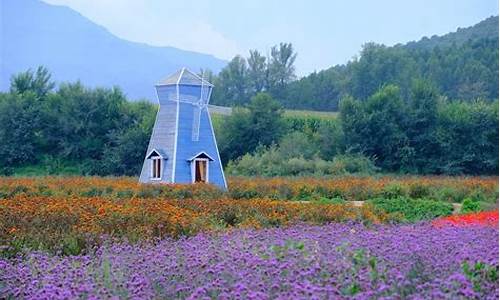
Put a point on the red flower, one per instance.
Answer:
(485, 218)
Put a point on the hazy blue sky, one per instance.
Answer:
(324, 33)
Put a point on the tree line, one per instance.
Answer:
(420, 133)
(96, 131)
(462, 65)
(74, 128)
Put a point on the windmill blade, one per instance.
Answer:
(195, 135)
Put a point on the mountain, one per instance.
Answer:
(486, 29)
(461, 65)
(34, 33)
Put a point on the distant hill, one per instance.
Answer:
(486, 29)
(73, 48)
(462, 65)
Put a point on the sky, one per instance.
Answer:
(324, 33)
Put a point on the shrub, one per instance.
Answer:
(413, 210)
(354, 164)
(449, 194)
(469, 205)
(418, 191)
(394, 190)
(275, 161)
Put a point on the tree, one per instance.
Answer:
(421, 128)
(377, 127)
(266, 119)
(39, 82)
(124, 154)
(88, 117)
(281, 69)
(468, 137)
(232, 84)
(261, 123)
(19, 129)
(257, 72)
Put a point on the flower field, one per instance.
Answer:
(71, 214)
(341, 260)
(94, 238)
(451, 189)
(74, 223)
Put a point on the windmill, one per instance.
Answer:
(199, 106)
(182, 148)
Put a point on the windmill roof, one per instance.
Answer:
(159, 152)
(201, 154)
(184, 76)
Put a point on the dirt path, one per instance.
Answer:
(456, 206)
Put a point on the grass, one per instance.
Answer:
(44, 169)
(311, 113)
(220, 111)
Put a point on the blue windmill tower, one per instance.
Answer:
(183, 148)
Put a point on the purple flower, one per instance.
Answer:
(311, 262)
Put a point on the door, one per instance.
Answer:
(200, 170)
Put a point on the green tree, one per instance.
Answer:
(468, 137)
(261, 123)
(125, 153)
(421, 129)
(257, 72)
(88, 118)
(232, 84)
(281, 69)
(38, 82)
(20, 121)
(377, 127)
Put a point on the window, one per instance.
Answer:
(201, 170)
(155, 165)
(156, 168)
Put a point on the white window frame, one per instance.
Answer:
(193, 169)
(159, 159)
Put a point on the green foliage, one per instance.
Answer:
(74, 130)
(260, 124)
(20, 129)
(394, 191)
(77, 130)
(297, 144)
(413, 210)
(243, 78)
(278, 161)
(38, 83)
(232, 85)
(354, 164)
(468, 137)
(423, 135)
(462, 65)
(479, 274)
(376, 127)
(469, 205)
